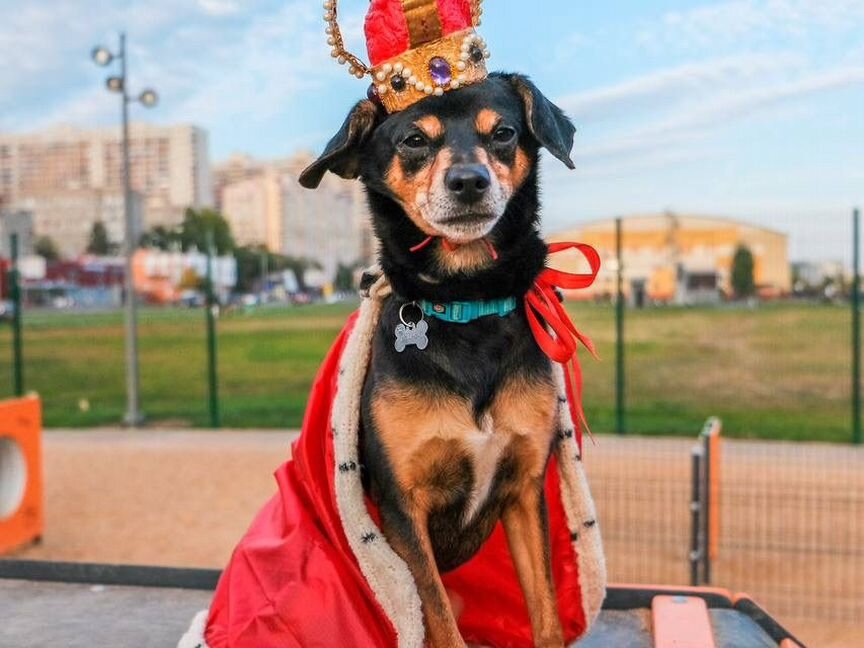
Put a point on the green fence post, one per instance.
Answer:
(620, 381)
(17, 341)
(856, 327)
(212, 369)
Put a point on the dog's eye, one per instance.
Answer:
(415, 141)
(504, 135)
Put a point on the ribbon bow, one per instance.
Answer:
(553, 329)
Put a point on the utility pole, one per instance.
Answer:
(856, 327)
(134, 417)
(620, 381)
(17, 342)
(212, 368)
(148, 98)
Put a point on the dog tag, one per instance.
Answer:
(412, 335)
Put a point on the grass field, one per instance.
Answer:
(777, 371)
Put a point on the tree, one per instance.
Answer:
(743, 281)
(344, 281)
(197, 224)
(160, 238)
(253, 259)
(99, 243)
(46, 248)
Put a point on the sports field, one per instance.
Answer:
(776, 371)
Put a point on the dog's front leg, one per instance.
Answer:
(406, 529)
(525, 523)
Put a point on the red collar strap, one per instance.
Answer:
(552, 327)
(452, 247)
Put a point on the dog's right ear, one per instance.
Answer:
(342, 155)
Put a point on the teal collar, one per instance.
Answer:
(465, 312)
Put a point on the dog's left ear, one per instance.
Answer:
(549, 125)
(342, 154)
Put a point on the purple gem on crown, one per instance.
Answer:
(441, 72)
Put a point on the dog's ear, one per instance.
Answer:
(342, 154)
(549, 125)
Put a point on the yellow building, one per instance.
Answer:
(671, 258)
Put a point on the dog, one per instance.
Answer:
(459, 422)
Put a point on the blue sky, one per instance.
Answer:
(745, 108)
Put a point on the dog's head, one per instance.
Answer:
(452, 163)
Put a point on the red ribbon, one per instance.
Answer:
(553, 329)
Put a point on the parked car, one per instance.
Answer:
(7, 310)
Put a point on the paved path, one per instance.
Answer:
(184, 498)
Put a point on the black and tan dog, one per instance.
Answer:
(458, 436)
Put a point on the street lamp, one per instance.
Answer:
(148, 98)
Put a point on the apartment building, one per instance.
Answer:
(41, 171)
(330, 225)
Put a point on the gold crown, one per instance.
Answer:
(418, 48)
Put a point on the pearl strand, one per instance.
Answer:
(356, 68)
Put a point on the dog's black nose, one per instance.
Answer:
(468, 182)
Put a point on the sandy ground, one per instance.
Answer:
(793, 516)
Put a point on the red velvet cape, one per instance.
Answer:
(293, 581)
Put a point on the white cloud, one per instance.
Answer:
(219, 7)
(680, 109)
(677, 83)
(730, 23)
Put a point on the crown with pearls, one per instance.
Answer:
(417, 48)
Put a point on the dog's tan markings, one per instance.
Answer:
(521, 168)
(525, 408)
(431, 127)
(529, 548)
(465, 258)
(442, 630)
(510, 177)
(420, 432)
(413, 192)
(486, 121)
(408, 190)
(411, 422)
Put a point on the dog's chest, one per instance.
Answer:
(465, 420)
(446, 455)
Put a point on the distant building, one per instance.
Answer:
(67, 217)
(163, 277)
(253, 207)
(815, 274)
(329, 226)
(18, 222)
(86, 282)
(41, 170)
(235, 169)
(670, 258)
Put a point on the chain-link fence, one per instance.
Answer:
(791, 523)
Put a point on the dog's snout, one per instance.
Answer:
(468, 182)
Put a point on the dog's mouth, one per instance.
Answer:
(468, 220)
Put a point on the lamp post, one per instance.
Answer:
(148, 98)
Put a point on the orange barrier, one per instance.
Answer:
(681, 622)
(713, 433)
(21, 489)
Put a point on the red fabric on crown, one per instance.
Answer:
(387, 33)
(386, 30)
(455, 15)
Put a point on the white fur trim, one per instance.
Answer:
(579, 507)
(194, 637)
(387, 574)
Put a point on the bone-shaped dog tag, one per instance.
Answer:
(412, 335)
